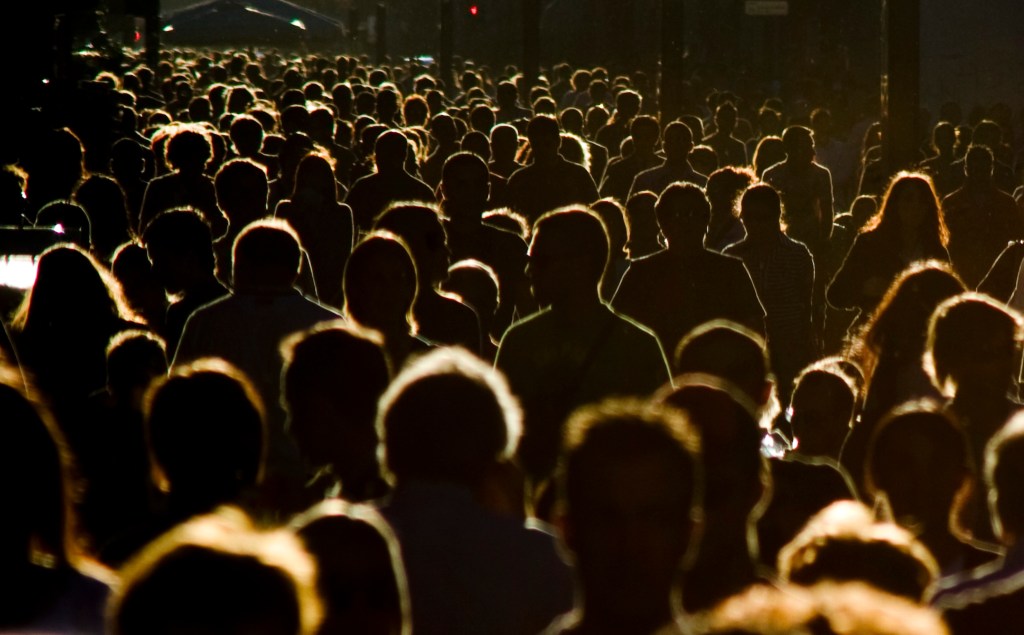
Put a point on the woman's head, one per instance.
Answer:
(910, 205)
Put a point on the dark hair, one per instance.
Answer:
(886, 222)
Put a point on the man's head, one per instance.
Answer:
(543, 134)
(267, 254)
(978, 164)
(631, 483)
(761, 211)
(725, 118)
(447, 417)
(465, 183)
(180, 248)
(390, 151)
(419, 225)
(568, 256)
(217, 574)
(678, 141)
(242, 190)
(799, 144)
(683, 214)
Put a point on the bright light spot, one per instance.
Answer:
(297, 22)
(168, 28)
(46, 81)
(17, 272)
(473, 10)
(136, 37)
(58, 229)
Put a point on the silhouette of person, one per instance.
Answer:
(987, 598)
(477, 285)
(677, 144)
(391, 182)
(942, 166)
(217, 573)
(631, 503)
(627, 106)
(504, 149)
(447, 536)
(618, 179)
(550, 181)
(446, 143)
(908, 227)
(180, 248)
(981, 219)
(187, 152)
(806, 190)
(782, 271)
(464, 189)
(685, 284)
(573, 351)
(729, 149)
(360, 575)
(918, 465)
(572, 122)
(333, 376)
(441, 318)
(324, 225)
(724, 187)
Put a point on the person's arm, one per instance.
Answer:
(827, 205)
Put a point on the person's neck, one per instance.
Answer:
(580, 304)
(464, 217)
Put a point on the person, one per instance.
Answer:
(441, 318)
(908, 227)
(685, 284)
(446, 143)
(179, 245)
(49, 585)
(243, 194)
(890, 349)
(805, 188)
(504, 148)
(61, 328)
(447, 537)
(333, 375)
(678, 141)
(509, 111)
(391, 182)
(325, 226)
(981, 219)
(246, 327)
(941, 165)
(724, 188)
(844, 543)
(621, 172)
(574, 350)
(218, 574)
(987, 598)
(628, 104)
(918, 466)
(737, 489)
(782, 271)
(188, 152)
(973, 343)
(477, 285)
(631, 497)
(729, 149)
(360, 575)
(464, 188)
(572, 122)
(550, 181)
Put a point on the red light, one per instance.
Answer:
(136, 36)
(473, 10)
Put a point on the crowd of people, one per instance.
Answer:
(321, 346)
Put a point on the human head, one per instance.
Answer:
(465, 184)
(645, 132)
(360, 576)
(627, 105)
(844, 543)
(1004, 460)
(543, 134)
(448, 417)
(217, 574)
(266, 254)
(761, 211)
(380, 283)
(972, 342)
(180, 247)
(206, 433)
(134, 359)
(821, 409)
(918, 461)
(477, 284)
(390, 151)
(978, 163)
(333, 376)
(504, 142)
(568, 255)
(730, 351)
(419, 225)
(910, 202)
(678, 141)
(242, 190)
(725, 185)
(631, 484)
(725, 118)
(683, 213)
(799, 144)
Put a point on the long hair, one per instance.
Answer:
(933, 232)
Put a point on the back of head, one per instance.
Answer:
(177, 234)
(1004, 477)
(799, 143)
(543, 134)
(360, 576)
(572, 233)
(683, 211)
(821, 409)
(504, 141)
(760, 208)
(844, 543)
(390, 150)
(972, 341)
(216, 574)
(267, 253)
(134, 358)
(725, 185)
(978, 162)
(419, 225)
(727, 350)
(380, 280)
(70, 288)
(188, 149)
(645, 131)
(206, 432)
(242, 189)
(448, 416)
(623, 459)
